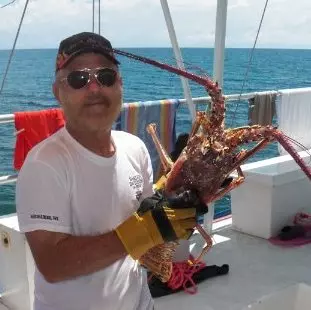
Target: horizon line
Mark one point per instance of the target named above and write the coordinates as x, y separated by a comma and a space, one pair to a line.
155, 47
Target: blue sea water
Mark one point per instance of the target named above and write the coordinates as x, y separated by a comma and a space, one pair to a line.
28, 87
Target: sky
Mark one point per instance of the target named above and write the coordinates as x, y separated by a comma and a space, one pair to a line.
141, 23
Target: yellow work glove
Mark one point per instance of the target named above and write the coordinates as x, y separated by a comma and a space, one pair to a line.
160, 219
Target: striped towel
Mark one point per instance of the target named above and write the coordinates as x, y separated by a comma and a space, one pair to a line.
136, 116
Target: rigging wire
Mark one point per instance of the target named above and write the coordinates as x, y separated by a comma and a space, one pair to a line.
249, 63
3, 6
13, 48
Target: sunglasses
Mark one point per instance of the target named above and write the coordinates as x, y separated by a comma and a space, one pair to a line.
78, 79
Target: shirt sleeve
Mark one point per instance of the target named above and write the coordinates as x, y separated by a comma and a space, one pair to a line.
42, 199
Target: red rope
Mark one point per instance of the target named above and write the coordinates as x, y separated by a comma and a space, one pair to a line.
303, 219
182, 275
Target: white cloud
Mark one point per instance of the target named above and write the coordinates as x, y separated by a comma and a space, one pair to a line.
238, 4
136, 23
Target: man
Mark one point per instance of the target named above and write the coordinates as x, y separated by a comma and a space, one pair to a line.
78, 192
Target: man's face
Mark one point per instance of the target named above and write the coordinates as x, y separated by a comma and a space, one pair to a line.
93, 107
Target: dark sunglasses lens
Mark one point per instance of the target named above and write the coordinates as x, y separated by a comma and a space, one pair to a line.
106, 77
77, 79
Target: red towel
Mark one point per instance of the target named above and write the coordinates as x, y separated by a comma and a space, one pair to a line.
33, 127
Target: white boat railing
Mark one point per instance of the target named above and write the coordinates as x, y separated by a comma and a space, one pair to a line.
7, 179
9, 118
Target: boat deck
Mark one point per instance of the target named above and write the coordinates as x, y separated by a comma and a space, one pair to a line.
257, 268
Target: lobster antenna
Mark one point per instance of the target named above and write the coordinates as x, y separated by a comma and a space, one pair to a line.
204, 81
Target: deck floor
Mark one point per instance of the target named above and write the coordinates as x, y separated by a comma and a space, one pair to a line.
257, 268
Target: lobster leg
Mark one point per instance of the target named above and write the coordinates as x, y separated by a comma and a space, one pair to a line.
264, 134
235, 183
207, 238
245, 155
197, 123
166, 162
241, 158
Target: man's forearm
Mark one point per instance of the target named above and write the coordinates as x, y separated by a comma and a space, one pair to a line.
78, 255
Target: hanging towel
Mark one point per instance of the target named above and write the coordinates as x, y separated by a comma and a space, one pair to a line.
293, 110
261, 109
32, 127
137, 115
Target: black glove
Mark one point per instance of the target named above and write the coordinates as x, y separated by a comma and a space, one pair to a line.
186, 199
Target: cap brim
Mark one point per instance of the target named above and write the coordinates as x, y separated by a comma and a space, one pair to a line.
90, 50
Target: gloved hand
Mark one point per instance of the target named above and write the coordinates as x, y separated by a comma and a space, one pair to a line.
160, 219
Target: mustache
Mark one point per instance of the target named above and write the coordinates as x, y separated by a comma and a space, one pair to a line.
96, 98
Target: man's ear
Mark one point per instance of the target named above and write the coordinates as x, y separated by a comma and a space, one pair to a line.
56, 91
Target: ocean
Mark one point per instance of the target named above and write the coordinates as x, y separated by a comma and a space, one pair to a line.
29, 80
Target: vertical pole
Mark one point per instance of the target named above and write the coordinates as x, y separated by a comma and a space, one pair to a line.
93, 17
179, 60
220, 38
98, 16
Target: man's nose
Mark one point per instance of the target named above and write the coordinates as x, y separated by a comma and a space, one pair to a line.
93, 85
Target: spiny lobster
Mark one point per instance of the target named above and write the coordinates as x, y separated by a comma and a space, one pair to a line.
212, 153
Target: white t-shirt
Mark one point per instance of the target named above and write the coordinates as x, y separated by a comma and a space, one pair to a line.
63, 187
